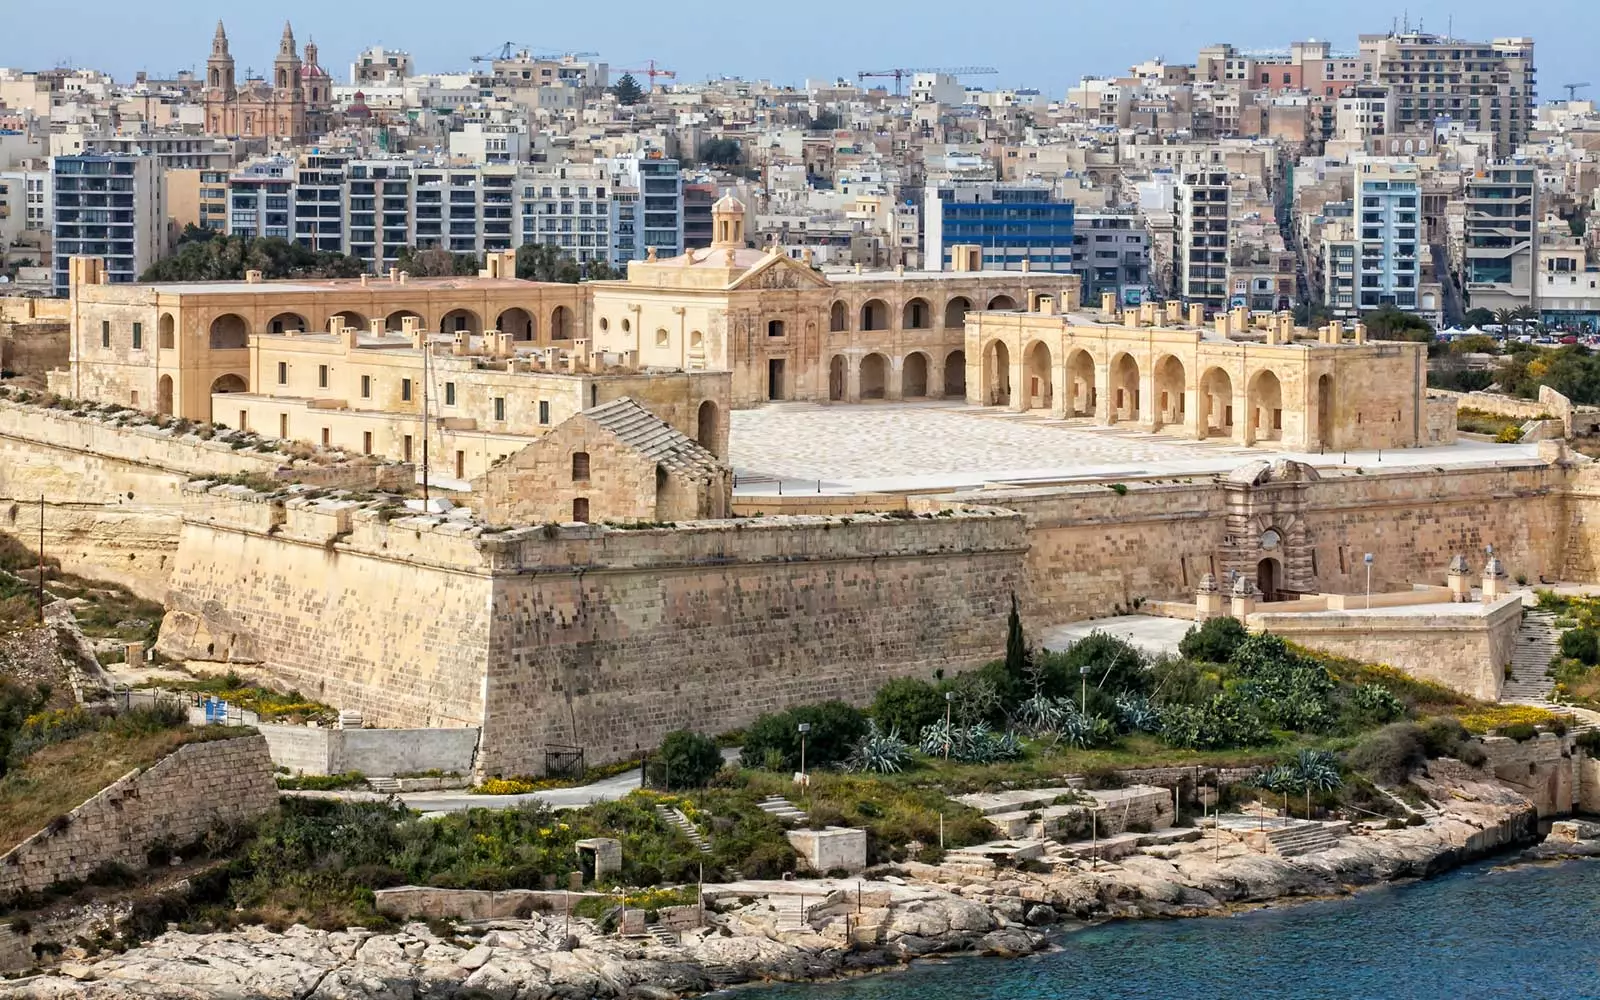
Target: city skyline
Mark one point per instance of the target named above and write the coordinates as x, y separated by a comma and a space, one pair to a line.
175, 37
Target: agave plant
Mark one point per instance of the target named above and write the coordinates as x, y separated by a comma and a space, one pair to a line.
1136, 713
883, 753
1318, 770
938, 739
1084, 731
1041, 714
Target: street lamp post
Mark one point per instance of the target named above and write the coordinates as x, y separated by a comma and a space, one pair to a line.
1083, 690
949, 700
805, 727
1368, 560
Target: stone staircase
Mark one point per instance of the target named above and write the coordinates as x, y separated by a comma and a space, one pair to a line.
674, 817
1298, 838
384, 786
1538, 640
790, 912
783, 809
662, 934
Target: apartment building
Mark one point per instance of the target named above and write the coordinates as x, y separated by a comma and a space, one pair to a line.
646, 209
465, 210
260, 200
319, 200
1486, 86
108, 206
1388, 217
1201, 200
1111, 253
567, 206
378, 200
1501, 247
1017, 224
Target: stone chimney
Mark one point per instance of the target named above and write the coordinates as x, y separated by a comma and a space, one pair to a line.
366, 279
1495, 583
1046, 305
1241, 319
349, 337
394, 275
1132, 319
1224, 325
1072, 295
1197, 315
1027, 264
1208, 600
376, 328
1147, 314
1108, 305
412, 330
252, 277
1361, 333
1244, 598
405, 276
1286, 327
461, 343
1458, 579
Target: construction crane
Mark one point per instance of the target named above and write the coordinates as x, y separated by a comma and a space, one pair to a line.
901, 73
559, 56
503, 53
650, 70
1572, 90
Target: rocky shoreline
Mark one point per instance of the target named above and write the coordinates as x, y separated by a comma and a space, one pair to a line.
803, 930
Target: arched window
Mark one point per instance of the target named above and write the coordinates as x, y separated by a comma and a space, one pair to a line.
580, 466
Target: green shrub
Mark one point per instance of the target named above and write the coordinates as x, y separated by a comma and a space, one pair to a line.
835, 730
1582, 644
1391, 754
1227, 721
1114, 666
1442, 736
1290, 691
1589, 742
907, 704
1520, 731
685, 760
1378, 703
1214, 641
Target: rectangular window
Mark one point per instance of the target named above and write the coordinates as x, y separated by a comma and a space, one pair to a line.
449, 394
366, 442
283, 373
283, 425
138, 336
580, 466
327, 438
322, 376
105, 333
405, 447
405, 390
366, 387
499, 407
544, 411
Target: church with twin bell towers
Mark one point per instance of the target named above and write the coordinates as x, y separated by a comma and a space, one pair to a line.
292, 105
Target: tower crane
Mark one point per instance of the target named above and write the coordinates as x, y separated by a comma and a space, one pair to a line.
651, 70
1572, 90
900, 73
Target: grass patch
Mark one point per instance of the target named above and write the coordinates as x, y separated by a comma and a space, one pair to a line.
323, 782
1474, 421
53, 781
272, 706
103, 610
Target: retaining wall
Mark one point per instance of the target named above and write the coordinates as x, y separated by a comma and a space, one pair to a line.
373, 752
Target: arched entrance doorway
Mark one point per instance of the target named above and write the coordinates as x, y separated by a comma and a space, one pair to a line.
229, 332
875, 315
561, 324
1325, 412
917, 315
874, 376
287, 323
460, 321
914, 376
1266, 408
955, 312
164, 396
1002, 303
1169, 392
707, 432
1124, 389
1080, 384
955, 375
1041, 388
227, 383
352, 319
837, 377
517, 322
996, 374
1268, 579
1216, 404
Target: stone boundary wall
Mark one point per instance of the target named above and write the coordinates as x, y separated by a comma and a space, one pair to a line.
177, 799
410, 902
1547, 769
378, 753
29, 308
1576, 421
32, 348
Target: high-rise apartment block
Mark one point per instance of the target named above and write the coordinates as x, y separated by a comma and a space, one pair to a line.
1486, 86
107, 206
1502, 245
1111, 253
1388, 220
1201, 205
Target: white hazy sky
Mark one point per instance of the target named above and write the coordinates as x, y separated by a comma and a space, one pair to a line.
1033, 43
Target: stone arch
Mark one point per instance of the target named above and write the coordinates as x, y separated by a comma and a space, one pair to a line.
351, 318
707, 431
914, 376
1002, 303
838, 378
838, 318
1039, 378
917, 315
230, 383
1269, 578
1325, 402
287, 323
396, 320
955, 375
875, 315
518, 322
955, 311
1081, 392
996, 374
229, 332
874, 376
1124, 389
460, 321
1216, 404
1266, 408
164, 396
561, 324
1170, 387
167, 332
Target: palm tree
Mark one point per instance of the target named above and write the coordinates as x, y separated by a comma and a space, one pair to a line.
1505, 317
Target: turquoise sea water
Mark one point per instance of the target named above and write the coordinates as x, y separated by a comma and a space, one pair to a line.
1526, 932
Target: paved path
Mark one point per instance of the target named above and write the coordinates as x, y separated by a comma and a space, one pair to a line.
460, 800
851, 448
1147, 633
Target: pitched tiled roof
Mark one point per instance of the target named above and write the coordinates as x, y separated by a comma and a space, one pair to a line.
657, 440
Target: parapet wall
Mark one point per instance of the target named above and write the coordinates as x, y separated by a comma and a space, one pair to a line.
373, 752
175, 800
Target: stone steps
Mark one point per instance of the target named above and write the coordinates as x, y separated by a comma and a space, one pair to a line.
783, 809
384, 786
1538, 641
662, 934
675, 817
1298, 838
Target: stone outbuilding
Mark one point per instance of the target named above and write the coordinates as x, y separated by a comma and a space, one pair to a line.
616, 462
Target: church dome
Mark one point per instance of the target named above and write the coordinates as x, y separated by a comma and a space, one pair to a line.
728, 203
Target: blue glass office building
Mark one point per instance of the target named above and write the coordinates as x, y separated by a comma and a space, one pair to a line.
1011, 222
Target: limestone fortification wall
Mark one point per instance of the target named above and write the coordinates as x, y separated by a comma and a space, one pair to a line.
177, 800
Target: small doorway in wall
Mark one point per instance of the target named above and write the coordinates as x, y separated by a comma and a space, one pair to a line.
1267, 577
775, 379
